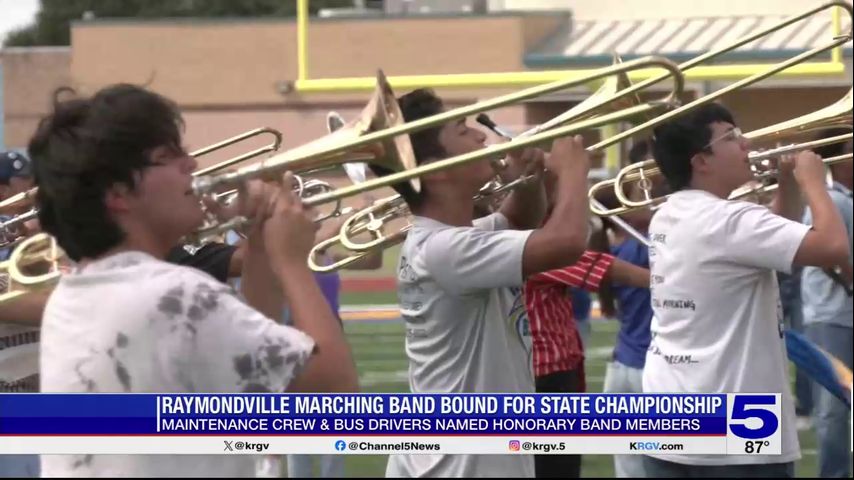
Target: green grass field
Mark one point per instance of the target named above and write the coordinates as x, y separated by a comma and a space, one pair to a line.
381, 360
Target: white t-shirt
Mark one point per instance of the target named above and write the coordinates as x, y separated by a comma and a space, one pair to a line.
132, 323
717, 324
466, 328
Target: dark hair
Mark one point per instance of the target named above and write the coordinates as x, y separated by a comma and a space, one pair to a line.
833, 149
415, 105
86, 146
639, 152
678, 140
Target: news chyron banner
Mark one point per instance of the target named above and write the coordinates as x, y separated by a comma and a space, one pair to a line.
684, 424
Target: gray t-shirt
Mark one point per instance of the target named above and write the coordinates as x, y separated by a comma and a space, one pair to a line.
466, 328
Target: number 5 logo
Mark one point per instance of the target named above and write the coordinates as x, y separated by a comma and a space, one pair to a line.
742, 410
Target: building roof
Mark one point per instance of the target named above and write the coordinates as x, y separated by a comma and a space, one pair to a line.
594, 41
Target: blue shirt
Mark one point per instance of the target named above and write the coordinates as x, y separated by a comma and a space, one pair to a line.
581, 304
825, 301
634, 309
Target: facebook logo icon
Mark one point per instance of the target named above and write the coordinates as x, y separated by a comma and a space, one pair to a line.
340, 445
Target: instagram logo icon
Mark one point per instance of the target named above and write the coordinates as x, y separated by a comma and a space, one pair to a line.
514, 445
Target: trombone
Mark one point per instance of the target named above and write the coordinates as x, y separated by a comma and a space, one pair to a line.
398, 156
601, 211
42, 248
552, 134
837, 114
7, 229
495, 150
615, 88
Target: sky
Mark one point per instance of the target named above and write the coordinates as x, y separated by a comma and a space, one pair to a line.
16, 13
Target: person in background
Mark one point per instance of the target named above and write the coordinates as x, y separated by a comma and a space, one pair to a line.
630, 305
331, 466
827, 304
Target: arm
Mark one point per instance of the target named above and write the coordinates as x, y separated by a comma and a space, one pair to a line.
787, 201
587, 273
235, 264
525, 206
826, 244
331, 369
625, 273
563, 238
289, 236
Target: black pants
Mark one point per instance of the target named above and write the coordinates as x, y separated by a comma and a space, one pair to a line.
558, 466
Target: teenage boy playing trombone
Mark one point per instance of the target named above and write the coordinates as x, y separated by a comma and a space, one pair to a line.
460, 279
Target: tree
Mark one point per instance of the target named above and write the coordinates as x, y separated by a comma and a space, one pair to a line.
52, 24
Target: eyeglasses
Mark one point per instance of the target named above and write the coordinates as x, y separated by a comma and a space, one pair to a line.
735, 134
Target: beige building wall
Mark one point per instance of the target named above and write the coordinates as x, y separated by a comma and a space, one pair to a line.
226, 75
30, 76
206, 63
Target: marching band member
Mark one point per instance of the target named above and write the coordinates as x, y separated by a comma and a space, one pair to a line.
717, 325
115, 190
558, 352
828, 309
330, 466
629, 304
459, 279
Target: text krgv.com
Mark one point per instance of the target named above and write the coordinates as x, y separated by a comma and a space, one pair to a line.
656, 446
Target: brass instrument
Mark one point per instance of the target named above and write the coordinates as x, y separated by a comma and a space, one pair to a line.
23, 199
497, 150
578, 126
835, 115
740, 84
37, 250
325, 152
372, 219
41, 248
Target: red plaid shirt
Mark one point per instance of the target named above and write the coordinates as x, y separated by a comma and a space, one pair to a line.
556, 342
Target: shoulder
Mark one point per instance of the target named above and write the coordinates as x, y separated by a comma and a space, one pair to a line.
494, 221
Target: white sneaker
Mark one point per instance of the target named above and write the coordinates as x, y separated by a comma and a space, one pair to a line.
803, 423
269, 466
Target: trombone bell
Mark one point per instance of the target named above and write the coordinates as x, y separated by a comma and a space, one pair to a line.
388, 154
